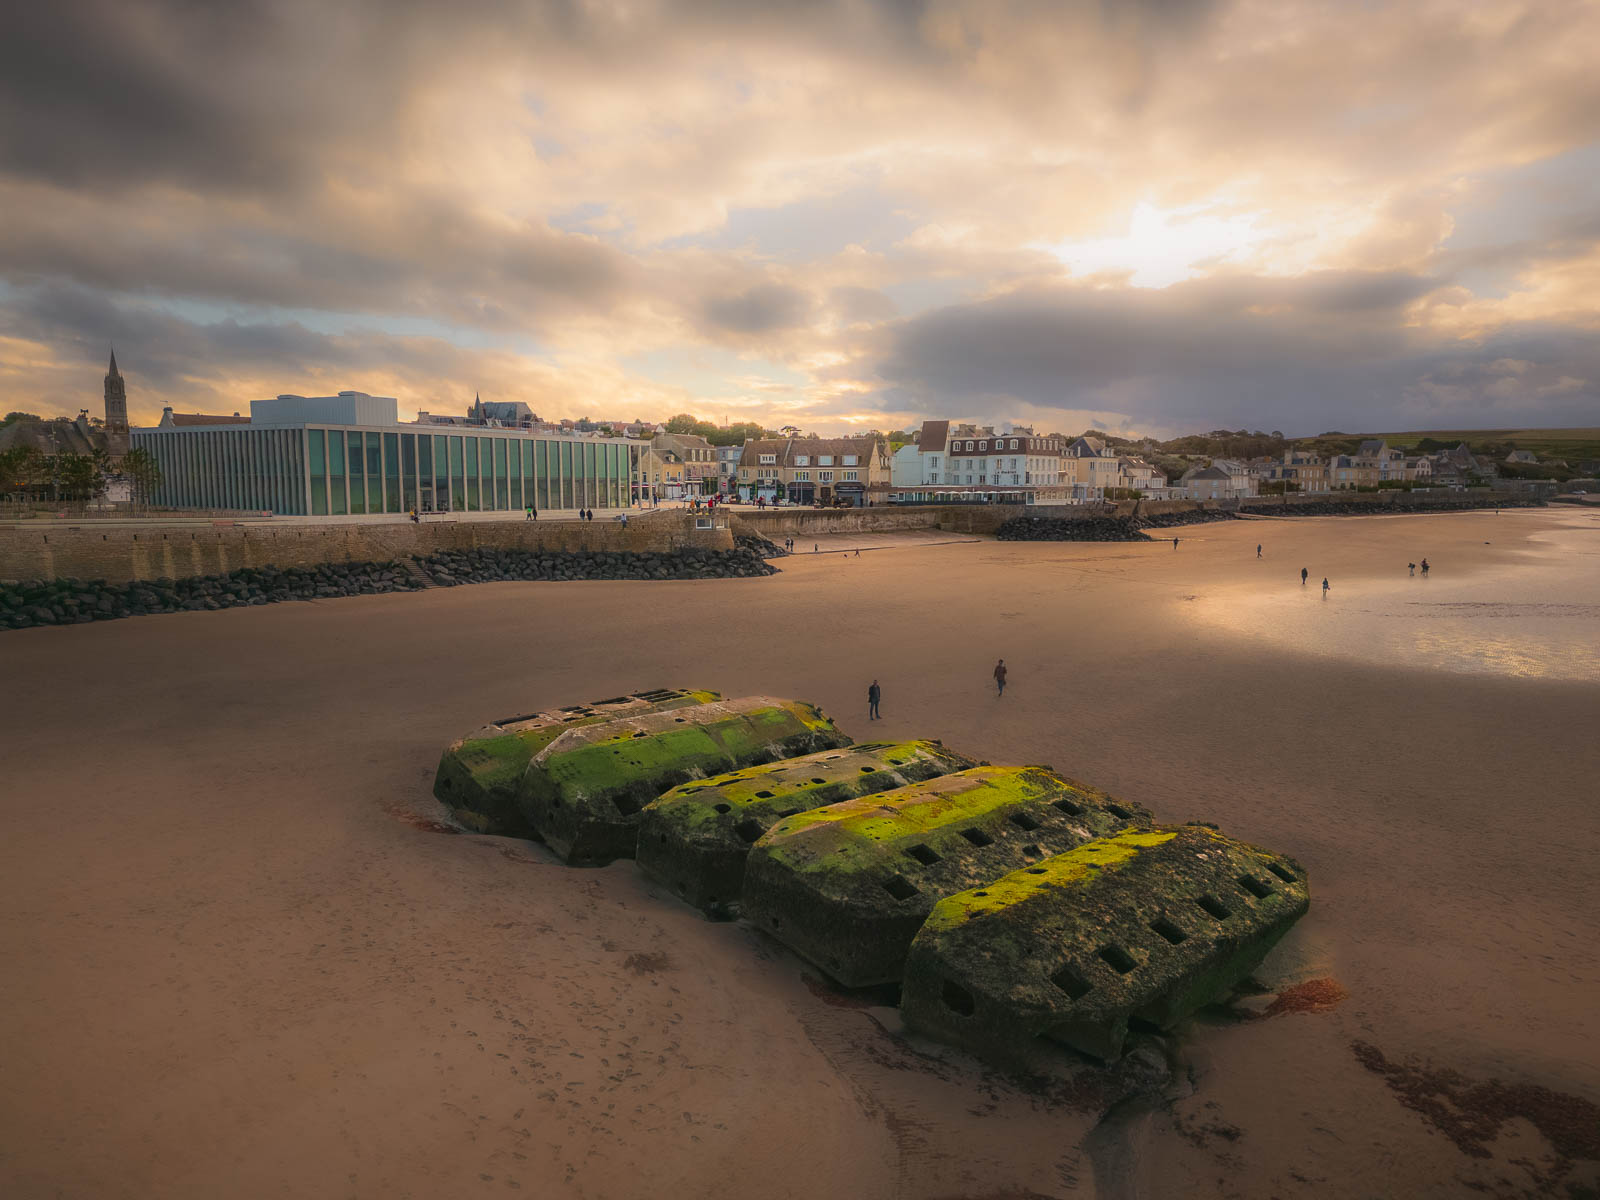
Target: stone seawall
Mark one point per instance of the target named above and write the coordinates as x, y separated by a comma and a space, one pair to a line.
155, 550
808, 522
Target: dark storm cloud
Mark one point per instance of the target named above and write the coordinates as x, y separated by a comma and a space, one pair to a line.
761, 309
1327, 351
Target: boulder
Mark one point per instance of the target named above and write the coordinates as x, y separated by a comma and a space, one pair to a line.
1146, 925
480, 775
849, 886
694, 839
583, 793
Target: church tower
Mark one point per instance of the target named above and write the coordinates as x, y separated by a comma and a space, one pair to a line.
116, 411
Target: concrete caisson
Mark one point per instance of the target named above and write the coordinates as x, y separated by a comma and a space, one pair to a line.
1147, 925
480, 776
695, 839
583, 792
849, 886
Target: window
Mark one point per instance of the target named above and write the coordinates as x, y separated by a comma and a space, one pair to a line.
802, 476
767, 460
849, 460
824, 460
1013, 443
852, 476
983, 445
802, 460
969, 445
825, 476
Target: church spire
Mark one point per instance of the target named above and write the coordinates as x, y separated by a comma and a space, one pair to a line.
113, 370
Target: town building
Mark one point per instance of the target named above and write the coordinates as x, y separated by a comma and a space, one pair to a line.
728, 469
1224, 479
952, 462
813, 470
680, 465
349, 455
1089, 468
116, 403
178, 420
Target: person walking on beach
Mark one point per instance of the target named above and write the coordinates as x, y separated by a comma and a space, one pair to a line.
1424, 567
1303, 574
1258, 549
1000, 677
874, 694
1174, 543
1324, 587
1413, 567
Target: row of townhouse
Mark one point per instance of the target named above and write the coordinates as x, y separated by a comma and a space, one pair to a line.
952, 461
813, 470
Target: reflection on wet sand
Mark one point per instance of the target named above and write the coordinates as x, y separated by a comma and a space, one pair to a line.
1535, 617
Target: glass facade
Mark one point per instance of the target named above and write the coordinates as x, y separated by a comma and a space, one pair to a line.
325, 471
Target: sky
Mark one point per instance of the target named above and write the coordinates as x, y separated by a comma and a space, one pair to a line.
1147, 217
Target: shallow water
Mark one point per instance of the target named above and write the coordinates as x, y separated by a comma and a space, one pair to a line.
1535, 614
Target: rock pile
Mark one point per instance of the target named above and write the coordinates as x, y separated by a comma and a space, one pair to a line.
1192, 516
765, 547
77, 601
1074, 529
451, 567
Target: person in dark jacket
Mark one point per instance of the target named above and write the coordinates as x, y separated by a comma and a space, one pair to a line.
874, 694
1000, 677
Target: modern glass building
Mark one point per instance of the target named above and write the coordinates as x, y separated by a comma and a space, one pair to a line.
328, 469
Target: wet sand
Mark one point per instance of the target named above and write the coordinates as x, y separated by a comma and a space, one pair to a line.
240, 959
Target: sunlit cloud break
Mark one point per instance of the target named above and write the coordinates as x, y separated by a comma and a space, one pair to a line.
840, 216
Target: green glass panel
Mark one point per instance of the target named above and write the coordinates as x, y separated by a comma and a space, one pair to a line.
472, 474
317, 450
408, 471
336, 462
541, 471
358, 472
391, 472
458, 479
502, 494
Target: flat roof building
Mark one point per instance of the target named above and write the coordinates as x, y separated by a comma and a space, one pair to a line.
349, 455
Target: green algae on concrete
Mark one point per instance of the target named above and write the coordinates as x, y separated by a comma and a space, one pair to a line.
849, 886
479, 775
695, 838
1146, 925
584, 791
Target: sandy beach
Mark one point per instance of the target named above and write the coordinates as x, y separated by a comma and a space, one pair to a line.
243, 957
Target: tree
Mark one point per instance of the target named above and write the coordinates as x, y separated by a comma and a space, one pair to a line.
682, 423
143, 472
11, 418
76, 477
19, 469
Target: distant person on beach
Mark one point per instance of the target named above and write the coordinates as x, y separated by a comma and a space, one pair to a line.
1174, 543
1000, 677
1324, 587
1424, 566
815, 547
1258, 549
1413, 567
874, 694
1303, 576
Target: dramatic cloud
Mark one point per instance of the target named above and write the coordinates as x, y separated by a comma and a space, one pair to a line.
832, 212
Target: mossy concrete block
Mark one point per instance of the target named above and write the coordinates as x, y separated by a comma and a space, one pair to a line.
583, 792
695, 838
849, 886
480, 775
1147, 925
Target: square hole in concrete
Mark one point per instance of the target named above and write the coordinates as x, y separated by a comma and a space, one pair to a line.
749, 829
924, 854
900, 887
1254, 886
1214, 906
1023, 820
1117, 810
1118, 959
1074, 985
1283, 874
1168, 931
957, 999
1068, 807
977, 837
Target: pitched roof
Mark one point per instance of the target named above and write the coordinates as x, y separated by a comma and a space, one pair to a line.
934, 436
57, 436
